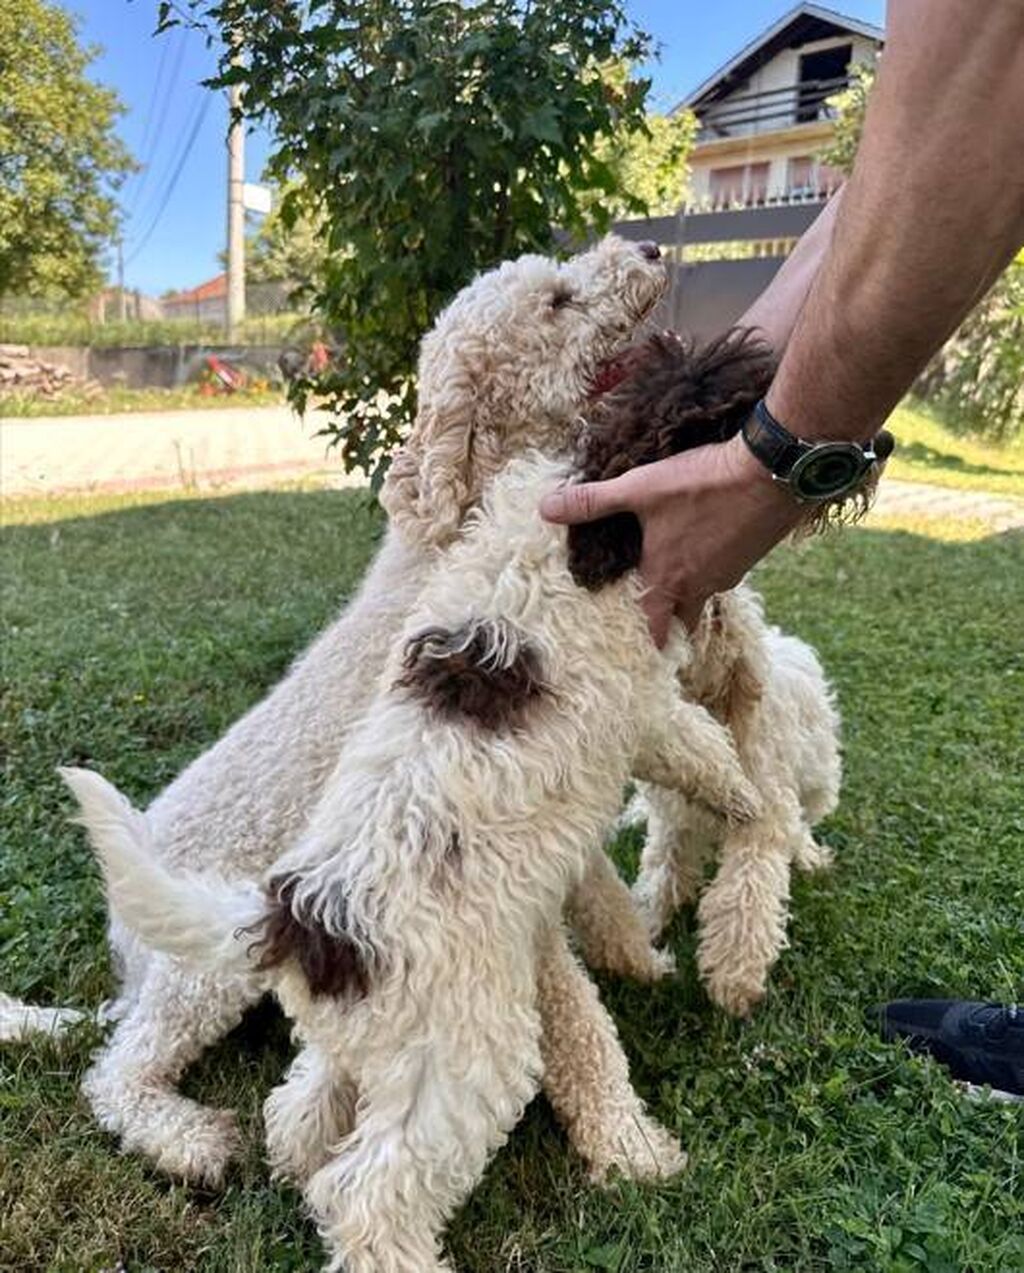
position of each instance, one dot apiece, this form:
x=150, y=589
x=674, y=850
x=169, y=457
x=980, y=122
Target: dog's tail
x=200, y=919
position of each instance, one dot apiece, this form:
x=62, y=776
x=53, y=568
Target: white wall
x=783, y=71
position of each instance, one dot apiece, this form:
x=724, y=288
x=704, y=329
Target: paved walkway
x=257, y=446
x=919, y=499
x=160, y=449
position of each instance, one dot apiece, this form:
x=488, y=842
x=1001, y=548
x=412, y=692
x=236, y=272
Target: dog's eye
x=561, y=297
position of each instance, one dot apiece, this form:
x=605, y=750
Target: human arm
x=933, y=211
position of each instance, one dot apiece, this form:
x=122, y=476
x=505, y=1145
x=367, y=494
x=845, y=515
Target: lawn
x=136, y=630
x=122, y=401
x=927, y=451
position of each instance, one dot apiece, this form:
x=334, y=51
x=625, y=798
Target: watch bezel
x=815, y=451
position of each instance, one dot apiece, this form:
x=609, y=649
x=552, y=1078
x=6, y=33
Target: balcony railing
x=777, y=108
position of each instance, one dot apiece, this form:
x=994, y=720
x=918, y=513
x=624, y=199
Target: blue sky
x=176, y=227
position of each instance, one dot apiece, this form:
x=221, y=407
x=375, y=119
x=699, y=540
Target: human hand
x=707, y=516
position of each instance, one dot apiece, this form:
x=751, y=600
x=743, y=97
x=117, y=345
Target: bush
x=977, y=380
x=76, y=329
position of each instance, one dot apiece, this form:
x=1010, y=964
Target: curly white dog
x=404, y=931
x=508, y=365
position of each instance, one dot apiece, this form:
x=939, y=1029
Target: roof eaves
x=800, y=10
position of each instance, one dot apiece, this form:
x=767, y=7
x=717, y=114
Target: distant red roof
x=208, y=291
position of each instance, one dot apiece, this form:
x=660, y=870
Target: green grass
x=136, y=631
x=927, y=451
x=118, y=401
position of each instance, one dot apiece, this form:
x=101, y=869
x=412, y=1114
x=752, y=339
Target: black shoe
x=980, y=1043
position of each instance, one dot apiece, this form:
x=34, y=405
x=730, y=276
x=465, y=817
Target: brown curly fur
x=678, y=396
x=479, y=671
x=331, y=965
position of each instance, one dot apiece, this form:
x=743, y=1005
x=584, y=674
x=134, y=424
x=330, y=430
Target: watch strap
x=771, y=442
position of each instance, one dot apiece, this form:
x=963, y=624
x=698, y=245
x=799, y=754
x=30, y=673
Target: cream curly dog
x=769, y=689
x=507, y=366
x=404, y=932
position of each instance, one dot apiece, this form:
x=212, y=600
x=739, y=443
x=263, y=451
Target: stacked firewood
x=22, y=373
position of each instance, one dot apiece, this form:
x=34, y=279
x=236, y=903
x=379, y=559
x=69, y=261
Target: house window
x=821, y=75
x=800, y=175
x=741, y=183
x=806, y=176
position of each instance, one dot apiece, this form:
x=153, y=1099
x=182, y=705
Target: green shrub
x=76, y=329
x=977, y=380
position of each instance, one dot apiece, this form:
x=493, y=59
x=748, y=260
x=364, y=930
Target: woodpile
x=22, y=373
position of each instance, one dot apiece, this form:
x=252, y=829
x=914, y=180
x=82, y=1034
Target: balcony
x=752, y=114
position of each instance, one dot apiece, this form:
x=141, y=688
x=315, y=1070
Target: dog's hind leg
x=176, y=1015
x=611, y=932
x=307, y=1116
x=586, y=1076
x=427, y=1120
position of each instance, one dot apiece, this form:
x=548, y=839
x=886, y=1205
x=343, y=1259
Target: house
x=765, y=114
x=206, y=303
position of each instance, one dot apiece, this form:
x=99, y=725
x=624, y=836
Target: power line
x=169, y=188
x=151, y=111
x=165, y=112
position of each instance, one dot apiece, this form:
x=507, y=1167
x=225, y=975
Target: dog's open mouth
x=611, y=372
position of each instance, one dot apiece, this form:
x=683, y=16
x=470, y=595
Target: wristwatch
x=813, y=472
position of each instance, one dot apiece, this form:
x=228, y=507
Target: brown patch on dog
x=482, y=671
x=677, y=397
x=331, y=965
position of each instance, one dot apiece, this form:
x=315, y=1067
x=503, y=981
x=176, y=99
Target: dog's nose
x=650, y=250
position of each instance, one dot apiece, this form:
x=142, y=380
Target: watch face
x=827, y=471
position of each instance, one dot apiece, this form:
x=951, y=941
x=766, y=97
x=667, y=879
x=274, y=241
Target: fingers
x=571, y=505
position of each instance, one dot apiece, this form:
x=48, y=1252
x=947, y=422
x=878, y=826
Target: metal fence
x=706, y=296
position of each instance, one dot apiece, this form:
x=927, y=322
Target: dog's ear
x=438, y=474
x=484, y=671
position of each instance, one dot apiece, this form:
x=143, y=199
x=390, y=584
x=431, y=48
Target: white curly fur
x=444, y=851
x=772, y=693
x=502, y=370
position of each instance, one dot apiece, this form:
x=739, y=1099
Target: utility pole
x=236, y=214
x=122, y=308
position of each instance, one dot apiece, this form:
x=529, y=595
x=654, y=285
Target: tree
x=60, y=161
x=276, y=253
x=433, y=139
x=978, y=375
x=652, y=165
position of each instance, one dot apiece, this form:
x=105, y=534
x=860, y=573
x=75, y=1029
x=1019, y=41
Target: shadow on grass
x=921, y=453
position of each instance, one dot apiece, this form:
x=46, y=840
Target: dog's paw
x=738, y=995
x=643, y=1150
x=202, y=1150
x=810, y=856
x=743, y=802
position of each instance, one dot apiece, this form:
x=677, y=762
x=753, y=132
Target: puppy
x=769, y=689
x=407, y=931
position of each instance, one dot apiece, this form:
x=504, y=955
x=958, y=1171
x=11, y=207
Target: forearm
x=933, y=211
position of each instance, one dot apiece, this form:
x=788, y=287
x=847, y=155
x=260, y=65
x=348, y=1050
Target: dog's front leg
x=610, y=928
x=680, y=840
x=586, y=1075
x=689, y=751
x=742, y=915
